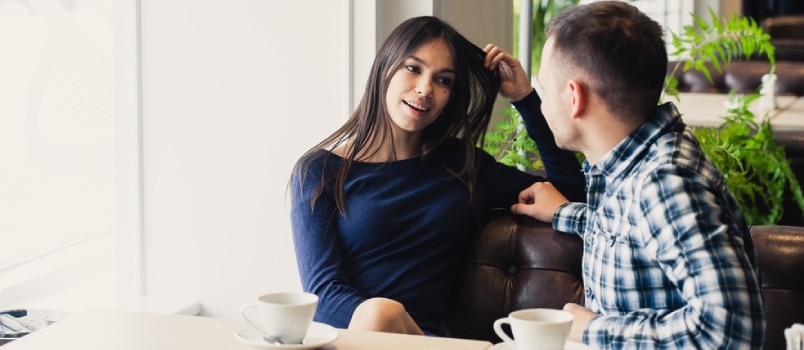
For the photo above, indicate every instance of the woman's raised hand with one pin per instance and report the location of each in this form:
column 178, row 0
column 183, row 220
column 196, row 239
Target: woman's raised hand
column 514, row 83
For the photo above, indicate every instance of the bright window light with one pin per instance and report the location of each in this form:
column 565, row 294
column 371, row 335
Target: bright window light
column 56, row 126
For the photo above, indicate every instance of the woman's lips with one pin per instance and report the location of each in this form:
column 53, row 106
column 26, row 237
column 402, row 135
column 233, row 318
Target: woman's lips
column 418, row 109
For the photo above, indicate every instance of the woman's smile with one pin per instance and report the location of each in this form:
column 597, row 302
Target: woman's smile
column 418, row 109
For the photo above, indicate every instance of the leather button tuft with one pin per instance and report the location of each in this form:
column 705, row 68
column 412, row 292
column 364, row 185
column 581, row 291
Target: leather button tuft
column 511, row 270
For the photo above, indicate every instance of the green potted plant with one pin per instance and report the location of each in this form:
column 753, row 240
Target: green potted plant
column 744, row 149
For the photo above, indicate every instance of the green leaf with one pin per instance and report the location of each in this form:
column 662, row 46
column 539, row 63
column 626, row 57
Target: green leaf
column 677, row 42
column 715, row 20
column 699, row 66
column 701, row 23
column 688, row 65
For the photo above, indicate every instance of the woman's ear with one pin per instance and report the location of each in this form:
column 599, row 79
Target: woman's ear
column 578, row 98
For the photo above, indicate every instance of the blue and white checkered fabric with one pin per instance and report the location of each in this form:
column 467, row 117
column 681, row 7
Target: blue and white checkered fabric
column 668, row 259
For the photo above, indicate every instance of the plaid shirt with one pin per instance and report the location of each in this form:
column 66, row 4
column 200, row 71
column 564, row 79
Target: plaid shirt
column 668, row 259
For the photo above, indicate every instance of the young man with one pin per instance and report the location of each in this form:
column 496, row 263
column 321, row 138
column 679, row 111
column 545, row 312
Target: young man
column 668, row 259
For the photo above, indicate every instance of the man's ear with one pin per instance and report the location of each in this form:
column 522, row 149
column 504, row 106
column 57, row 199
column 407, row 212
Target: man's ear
column 578, row 97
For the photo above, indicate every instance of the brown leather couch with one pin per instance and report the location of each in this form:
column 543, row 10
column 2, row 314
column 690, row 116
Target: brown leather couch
column 787, row 36
column 742, row 76
column 518, row 262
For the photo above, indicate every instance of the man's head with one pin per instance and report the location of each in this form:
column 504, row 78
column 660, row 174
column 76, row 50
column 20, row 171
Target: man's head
column 615, row 50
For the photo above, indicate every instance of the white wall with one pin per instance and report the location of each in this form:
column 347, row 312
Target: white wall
column 232, row 93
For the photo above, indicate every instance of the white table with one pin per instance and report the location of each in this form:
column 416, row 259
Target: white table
column 700, row 109
column 125, row 330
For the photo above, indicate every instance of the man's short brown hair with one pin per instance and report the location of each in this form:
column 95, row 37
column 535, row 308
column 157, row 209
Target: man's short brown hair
column 619, row 48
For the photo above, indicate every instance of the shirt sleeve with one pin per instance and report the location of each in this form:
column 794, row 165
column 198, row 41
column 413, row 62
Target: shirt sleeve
column 699, row 244
column 498, row 184
column 561, row 166
column 315, row 240
column 501, row 184
column 571, row 218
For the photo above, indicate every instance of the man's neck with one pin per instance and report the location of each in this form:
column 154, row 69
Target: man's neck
column 605, row 134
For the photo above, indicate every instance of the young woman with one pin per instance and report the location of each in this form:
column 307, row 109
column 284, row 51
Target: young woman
column 383, row 208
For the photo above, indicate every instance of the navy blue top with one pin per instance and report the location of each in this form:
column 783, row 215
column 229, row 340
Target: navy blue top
column 406, row 225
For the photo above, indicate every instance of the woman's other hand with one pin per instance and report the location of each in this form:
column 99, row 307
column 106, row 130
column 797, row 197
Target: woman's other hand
column 514, row 83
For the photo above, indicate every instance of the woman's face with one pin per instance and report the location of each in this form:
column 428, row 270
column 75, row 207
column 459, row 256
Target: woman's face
column 419, row 90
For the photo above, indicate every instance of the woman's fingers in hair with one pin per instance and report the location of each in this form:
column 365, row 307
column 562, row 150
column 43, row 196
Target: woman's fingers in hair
column 514, row 82
column 494, row 55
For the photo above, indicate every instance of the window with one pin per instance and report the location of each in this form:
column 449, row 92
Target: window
column 57, row 129
column 672, row 15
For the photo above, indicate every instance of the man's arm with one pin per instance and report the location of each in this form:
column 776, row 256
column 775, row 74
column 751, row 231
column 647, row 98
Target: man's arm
column 561, row 166
column 544, row 202
column 697, row 239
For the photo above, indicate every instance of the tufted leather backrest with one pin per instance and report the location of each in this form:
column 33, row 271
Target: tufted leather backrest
column 742, row 76
column 787, row 36
column 518, row 263
column 784, row 27
column 781, row 265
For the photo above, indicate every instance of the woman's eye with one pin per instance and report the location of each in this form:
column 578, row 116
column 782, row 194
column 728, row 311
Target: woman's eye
column 445, row 81
column 413, row 69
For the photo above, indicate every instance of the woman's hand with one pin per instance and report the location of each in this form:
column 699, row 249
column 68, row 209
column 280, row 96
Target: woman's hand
column 514, row 83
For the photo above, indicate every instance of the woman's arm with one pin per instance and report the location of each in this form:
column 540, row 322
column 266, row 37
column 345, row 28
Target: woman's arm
column 562, row 167
column 315, row 240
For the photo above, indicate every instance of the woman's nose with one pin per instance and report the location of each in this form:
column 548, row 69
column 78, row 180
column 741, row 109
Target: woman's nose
column 424, row 88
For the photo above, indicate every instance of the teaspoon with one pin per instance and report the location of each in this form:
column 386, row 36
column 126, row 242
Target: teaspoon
column 273, row 340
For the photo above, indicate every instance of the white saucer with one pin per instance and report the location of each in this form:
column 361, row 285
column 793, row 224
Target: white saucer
column 569, row 345
column 318, row 335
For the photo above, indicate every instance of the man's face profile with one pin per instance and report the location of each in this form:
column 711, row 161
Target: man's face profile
column 556, row 98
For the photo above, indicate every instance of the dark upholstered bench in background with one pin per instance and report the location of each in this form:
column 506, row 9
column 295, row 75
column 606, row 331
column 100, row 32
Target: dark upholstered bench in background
column 742, row 76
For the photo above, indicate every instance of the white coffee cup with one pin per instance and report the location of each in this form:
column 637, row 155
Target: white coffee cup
column 284, row 316
column 536, row 329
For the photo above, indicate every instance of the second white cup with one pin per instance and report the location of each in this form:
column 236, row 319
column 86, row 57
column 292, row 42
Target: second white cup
column 284, row 316
column 536, row 329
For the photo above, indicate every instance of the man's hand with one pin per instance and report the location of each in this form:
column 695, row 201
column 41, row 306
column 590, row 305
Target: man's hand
column 540, row 201
column 582, row 318
column 514, row 83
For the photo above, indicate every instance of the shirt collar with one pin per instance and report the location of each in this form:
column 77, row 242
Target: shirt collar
column 624, row 155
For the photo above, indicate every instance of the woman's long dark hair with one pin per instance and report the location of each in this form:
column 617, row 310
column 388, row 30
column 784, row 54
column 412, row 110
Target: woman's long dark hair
column 466, row 115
